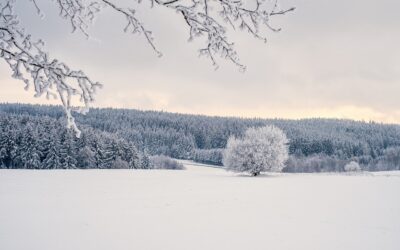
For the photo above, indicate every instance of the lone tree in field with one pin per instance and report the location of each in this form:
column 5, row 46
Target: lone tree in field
column 51, row 77
column 260, row 149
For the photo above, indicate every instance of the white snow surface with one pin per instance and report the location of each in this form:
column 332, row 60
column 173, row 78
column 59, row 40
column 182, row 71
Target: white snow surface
column 197, row 208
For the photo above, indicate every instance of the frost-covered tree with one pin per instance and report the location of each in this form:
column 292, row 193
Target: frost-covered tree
column 53, row 157
column 145, row 161
column 30, row 62
column 260, row 149
column 86, row 157
column 6, row 144
column 352, row 167
column 30, row 154
column 68, row 151
column 110, row 153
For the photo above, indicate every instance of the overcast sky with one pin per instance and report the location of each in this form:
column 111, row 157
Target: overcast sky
column 333, row 58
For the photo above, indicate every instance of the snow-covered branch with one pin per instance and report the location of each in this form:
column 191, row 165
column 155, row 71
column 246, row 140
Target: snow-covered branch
column 209, row 19
column 31, row 64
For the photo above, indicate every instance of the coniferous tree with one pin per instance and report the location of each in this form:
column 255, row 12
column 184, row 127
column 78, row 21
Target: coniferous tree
column 53, row 157
column 68, row 150
column 86, row 157
column 30, row 154
column 145, row 161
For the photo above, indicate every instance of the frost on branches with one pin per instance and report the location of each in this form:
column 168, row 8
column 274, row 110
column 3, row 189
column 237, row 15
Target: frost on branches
column 31, row 64
column 50, row 77
column 260, row 149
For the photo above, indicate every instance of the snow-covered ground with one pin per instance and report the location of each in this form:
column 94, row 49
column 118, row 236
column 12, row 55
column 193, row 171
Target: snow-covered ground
column 200, row 208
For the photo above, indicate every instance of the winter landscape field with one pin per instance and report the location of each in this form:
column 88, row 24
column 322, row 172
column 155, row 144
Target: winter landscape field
column 197, row 208
column 199, row 125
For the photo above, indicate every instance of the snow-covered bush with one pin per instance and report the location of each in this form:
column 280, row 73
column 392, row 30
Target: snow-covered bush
column 165, row 162
column 314, row 163
column 352, row 167
column 260, row 149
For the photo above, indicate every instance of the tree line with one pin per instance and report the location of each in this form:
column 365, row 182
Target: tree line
column 314, row 144
column 31, row 142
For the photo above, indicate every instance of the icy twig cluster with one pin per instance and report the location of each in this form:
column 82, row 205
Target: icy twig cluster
column 211, row 18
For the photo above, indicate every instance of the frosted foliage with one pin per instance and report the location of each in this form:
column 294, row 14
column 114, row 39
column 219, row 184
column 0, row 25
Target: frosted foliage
column 352, row 167
column 260, row 149
column 30, row 62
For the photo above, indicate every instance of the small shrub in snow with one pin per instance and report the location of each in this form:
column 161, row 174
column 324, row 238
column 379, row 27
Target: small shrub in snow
column 164, row 162
column 352, row 167
column 260, row 149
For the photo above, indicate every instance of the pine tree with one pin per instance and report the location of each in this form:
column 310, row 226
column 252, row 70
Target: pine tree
column 30, row 155
column 86, row 158
column 53, row 159
column 68, row 150
column 132, row 156
column 145, row 161
column 111, row 152
column 4, row 145
column 98, row 154
column 7, row 142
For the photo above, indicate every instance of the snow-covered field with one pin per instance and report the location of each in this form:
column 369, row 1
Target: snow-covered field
column 200, row 208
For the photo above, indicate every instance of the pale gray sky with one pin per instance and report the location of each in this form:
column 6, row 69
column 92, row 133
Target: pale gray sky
column 332, row 59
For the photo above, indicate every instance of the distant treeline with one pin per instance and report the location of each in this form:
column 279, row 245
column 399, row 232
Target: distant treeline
column 315, row 144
